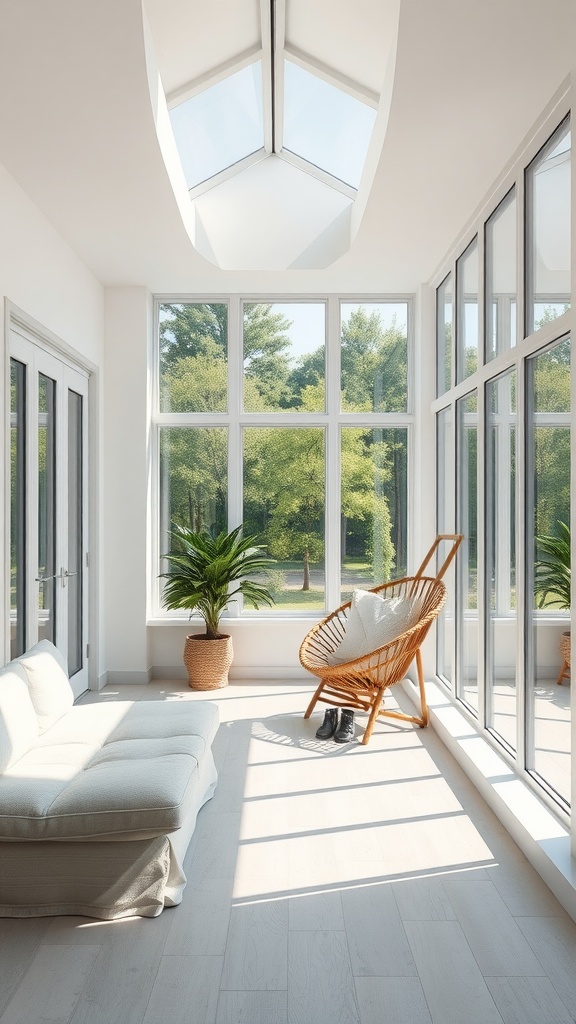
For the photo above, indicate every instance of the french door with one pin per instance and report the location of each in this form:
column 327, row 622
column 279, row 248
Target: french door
column 48, row 509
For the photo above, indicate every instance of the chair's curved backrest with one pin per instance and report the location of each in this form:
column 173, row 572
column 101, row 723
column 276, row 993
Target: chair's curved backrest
column 426, row 594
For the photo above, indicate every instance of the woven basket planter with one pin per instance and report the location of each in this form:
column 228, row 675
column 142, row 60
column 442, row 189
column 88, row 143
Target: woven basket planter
column 207, row 661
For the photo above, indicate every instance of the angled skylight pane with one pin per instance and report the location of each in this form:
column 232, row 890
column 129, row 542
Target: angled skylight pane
column 221, row 125
column 325, row 125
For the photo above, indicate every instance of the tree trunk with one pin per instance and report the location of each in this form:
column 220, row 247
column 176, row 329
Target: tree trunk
column 343, row 531
column 306, row 584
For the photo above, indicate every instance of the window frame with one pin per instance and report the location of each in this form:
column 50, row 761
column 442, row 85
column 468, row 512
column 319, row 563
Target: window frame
column 236, row 420
column 488, row 370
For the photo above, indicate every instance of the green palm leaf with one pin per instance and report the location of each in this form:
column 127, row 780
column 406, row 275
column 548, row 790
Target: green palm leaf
column 203, row 570
column 552, row 575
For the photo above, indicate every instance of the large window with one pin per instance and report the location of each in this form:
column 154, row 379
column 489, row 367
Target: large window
column 293, row 417
column 548, row 490
column 501, row 284
column 467, row 311
column 501, row 534
column 467, row 525
column 444, row 333
column 548, row 226
column 445, row 517
column 503, row 456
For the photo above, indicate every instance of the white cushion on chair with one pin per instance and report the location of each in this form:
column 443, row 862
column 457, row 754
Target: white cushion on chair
column 373, row 621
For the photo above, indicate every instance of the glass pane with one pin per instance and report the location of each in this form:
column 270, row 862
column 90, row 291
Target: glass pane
column 193, row 480
column 446, row 518
column 467, row 311
column 220, row 126
column 548, row 231
column 325, row 125
column 501, row 617
column 548, row 484
column 501, row 284
column 467, row 511
column 374, row 507
column 444, row 335
column 284, row 358
column 17, row 508
column 284, row 501
column 46, row 508
column 374, row 356
column 193, row 357
column 75, row 568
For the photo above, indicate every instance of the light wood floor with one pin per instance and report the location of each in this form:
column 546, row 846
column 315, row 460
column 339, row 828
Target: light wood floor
column 326, row 885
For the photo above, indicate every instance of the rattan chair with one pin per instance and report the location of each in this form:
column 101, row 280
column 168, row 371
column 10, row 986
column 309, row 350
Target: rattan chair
column 361, row 684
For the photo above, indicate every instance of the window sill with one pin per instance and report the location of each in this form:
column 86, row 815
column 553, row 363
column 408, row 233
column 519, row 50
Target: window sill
column 541, row 836
column 238, row 620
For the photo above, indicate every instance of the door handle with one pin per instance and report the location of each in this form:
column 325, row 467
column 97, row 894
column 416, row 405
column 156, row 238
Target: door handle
column 57, row 576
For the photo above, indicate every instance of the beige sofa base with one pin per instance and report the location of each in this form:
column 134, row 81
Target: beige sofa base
column 105, row 880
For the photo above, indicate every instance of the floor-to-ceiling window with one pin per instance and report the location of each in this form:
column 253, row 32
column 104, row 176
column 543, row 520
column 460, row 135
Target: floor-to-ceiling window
column 292, row 416
column 503, row 451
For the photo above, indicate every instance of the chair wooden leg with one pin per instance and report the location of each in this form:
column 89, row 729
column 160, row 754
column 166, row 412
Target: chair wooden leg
column 373, row 716
column 564, row 671
column 423, row 704
column 312, row 703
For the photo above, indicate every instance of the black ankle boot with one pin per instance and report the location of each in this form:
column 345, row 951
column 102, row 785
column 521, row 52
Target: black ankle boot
column 329, row 725
column 345, row 731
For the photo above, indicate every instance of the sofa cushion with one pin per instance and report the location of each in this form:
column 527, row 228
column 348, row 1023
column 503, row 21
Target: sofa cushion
column 18, row 722
column 110, row 771
column 48, row 682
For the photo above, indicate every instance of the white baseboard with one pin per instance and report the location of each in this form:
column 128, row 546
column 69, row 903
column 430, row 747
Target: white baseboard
column 115, row 678
column 240, row 673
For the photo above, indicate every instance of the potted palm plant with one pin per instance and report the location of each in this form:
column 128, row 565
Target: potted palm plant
column 204, row 574
column 552, row 581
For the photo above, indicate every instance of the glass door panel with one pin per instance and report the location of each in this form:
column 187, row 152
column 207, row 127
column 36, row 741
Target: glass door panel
column 73, row 577
column 17, row 507
column 46, row 507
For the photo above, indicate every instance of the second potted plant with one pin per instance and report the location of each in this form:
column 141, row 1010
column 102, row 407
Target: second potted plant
column 552, row 582
column 204, row 573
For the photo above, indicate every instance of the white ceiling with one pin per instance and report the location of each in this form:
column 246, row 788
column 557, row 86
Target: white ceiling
column 77, row 126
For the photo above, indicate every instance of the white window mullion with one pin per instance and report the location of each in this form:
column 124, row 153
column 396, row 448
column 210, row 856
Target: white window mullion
column 333, row 474
column 524, row 473
column 235, row 402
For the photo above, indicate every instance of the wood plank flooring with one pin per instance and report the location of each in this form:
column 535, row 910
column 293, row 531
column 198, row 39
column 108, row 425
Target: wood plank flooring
column 326, row 885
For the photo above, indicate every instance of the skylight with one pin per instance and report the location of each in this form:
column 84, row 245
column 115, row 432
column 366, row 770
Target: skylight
column 220, row 126
column 275, row 100
column 325, row 125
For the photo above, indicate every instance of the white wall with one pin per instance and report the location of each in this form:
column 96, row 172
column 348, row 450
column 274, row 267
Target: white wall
column 263, row 649
column 128, row 313
column 41, row 274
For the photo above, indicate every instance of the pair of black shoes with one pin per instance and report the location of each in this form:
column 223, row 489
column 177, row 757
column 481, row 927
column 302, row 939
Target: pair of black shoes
column 342, row 731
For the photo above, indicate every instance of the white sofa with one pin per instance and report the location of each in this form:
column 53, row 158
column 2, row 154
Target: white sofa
column 98, row 802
